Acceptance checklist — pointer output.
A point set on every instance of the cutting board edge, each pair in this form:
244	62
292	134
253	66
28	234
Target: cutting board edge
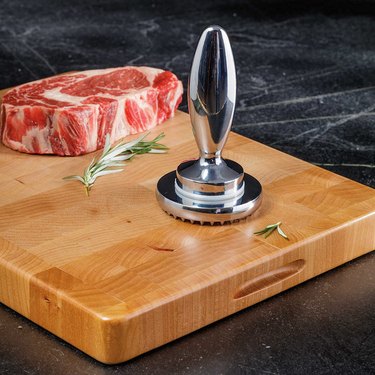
114	332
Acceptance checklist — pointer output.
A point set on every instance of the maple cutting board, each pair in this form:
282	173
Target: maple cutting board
115	276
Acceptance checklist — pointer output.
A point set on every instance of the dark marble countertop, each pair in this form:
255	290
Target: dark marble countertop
306	86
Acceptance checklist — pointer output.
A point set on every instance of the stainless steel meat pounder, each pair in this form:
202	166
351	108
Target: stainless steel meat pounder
210	189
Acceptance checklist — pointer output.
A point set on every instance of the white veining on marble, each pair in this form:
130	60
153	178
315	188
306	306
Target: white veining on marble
19	40
40	57
340	122
243	107
296	120
344	165
20	61
147	27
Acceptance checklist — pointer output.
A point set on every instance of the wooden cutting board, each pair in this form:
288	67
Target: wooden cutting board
115	276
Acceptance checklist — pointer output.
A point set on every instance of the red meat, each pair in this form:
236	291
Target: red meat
71	114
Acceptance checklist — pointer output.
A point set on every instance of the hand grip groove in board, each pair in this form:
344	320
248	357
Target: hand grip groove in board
270	278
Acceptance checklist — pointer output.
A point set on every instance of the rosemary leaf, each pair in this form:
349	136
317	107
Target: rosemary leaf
261	231
79	178
281	232
103	173
112	158
269	229
269	232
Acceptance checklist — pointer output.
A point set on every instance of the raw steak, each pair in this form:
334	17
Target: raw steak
72	113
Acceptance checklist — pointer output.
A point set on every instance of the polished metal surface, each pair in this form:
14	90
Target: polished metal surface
210	189
218	180
204	212
211	100
212	92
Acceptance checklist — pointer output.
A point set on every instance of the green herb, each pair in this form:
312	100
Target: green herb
112	159
270	228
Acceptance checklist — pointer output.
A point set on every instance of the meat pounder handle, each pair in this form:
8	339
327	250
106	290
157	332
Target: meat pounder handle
212	92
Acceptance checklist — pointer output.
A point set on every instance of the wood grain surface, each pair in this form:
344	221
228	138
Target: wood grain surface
115	276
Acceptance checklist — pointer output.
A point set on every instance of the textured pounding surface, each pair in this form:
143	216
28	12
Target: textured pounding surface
115	276
71	114
323	326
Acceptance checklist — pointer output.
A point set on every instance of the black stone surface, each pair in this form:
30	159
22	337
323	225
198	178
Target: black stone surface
306	85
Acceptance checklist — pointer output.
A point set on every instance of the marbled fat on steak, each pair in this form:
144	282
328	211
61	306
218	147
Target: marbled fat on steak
71	114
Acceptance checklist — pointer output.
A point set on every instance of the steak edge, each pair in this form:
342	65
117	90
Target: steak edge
72	113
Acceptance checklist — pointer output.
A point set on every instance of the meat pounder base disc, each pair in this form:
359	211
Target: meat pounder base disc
171	203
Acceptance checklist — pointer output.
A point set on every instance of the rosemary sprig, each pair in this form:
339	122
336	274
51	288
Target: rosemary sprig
271	228
112	159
